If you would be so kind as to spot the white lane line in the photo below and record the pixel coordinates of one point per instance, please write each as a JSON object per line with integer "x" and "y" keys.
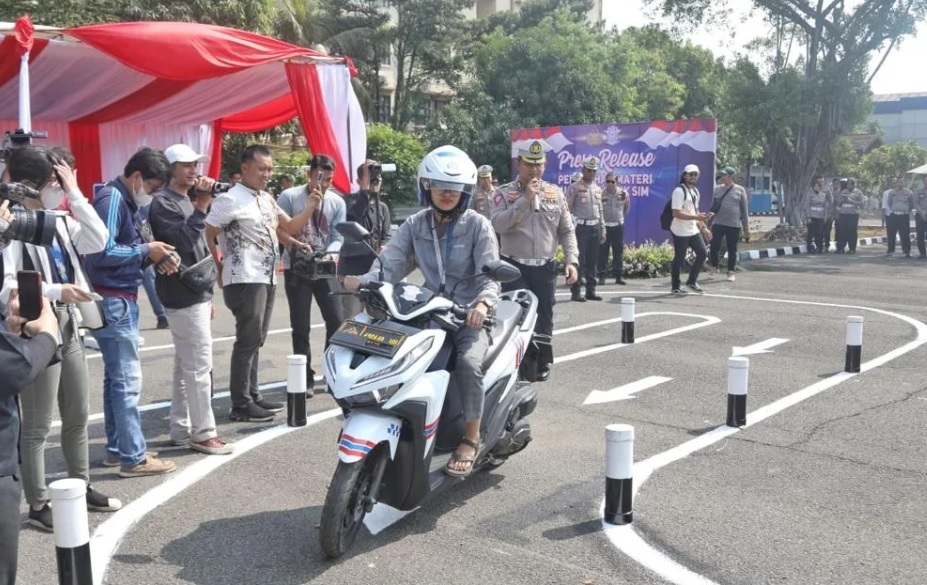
{"x": 625, "y": 392}
{"x": 98, "y": 355}
{"x": 108, "y": 536}
{"x": 628, "y": 541}
{"x": 761, "y": 347}
{"x": 706, "y": 321}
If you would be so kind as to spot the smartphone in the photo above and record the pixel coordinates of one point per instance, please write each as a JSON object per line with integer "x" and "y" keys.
{"x": 30, "y": 294}
{"x": 94, "y": 296}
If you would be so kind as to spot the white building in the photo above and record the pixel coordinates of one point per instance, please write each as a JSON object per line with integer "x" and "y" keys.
{"x": 903, "y": 117}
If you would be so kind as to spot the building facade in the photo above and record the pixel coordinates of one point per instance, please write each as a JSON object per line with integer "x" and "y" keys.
{"x": 903, "y": 117}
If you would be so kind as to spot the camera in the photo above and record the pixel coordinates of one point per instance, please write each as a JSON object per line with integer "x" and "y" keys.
{"x": 376, "y": 172}
{"x": 15, "y": 139}
{"x": 31, "y": 227}
{"x": 217, "y": 188}
{"x": 309, "y": 265}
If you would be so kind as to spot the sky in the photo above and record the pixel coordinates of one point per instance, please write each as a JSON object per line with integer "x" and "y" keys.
{"x": 897, "y": 75}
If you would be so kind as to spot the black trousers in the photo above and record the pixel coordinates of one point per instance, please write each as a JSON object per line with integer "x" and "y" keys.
{"x": 920, "y": 228}
{"x": 681, "y": 245}
{"x": 542, "y": 281}
{"x": 299, "y": 294}
{"x": 827, "y": 227}
{"x": 815, "y": 237}
{"x": 731, "y": 235}
{"x": 848, "y": 232}
{"x": 252, "y": 305}
{"x": 10, "y": 495}
{"x": 614, "y": 243}
{"x": 899, "y": 225}
{"x": 587, "y": 239}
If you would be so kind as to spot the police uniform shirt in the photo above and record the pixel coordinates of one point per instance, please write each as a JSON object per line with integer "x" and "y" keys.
{"x": 482, "y": 203}
{"x": 851, "y": 202}
{"x": 585, "y": 201}
{"x": 816, "y": 204}
{"x": 920, "y": 200}
{"x": 613, "y": 206}
{"x": 532, "y": 235}
{"x": 900, "y": 201}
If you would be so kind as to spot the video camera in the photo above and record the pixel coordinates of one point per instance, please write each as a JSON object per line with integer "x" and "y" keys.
{"x": 15, "y": 139}
{"x": 376, "y": 171}
{"x": 217, "y": 188}
{"x": 309, "y": 265}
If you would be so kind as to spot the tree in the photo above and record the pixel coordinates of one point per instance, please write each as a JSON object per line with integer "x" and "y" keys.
{"x": 840, "y": 160}
{"x": 879, "y": 167}
{"x": 387, "y": 145}
{"x": 253, "y": 15}
{"x": 804, "y": 103}
{"x": 63, "y": 13}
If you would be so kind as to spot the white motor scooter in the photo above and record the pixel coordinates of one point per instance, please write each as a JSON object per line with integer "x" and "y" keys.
{"x": 390, "y": 370}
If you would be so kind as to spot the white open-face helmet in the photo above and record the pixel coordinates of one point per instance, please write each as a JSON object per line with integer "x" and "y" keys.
{"x": 446, "y": 167}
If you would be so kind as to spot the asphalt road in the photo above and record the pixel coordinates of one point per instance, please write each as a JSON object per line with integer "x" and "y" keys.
{"x": 829, "y": 490}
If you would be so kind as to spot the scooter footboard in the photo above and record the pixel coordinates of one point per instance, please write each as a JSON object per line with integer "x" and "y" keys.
{"x": 363, "y": 431}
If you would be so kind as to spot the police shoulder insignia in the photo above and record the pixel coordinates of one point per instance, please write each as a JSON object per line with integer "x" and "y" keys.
{"x": 498, "y": 199}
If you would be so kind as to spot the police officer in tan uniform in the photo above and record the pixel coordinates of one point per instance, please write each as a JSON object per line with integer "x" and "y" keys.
{"x": 532, "y": 218}
{"x": 482, "y": 196}
{"x": 585, "y": 201}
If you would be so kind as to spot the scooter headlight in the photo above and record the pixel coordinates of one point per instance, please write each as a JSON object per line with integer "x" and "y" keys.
{"x": 410, "y": 358}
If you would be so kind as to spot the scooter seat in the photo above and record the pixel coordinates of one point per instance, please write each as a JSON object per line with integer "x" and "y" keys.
{"x": 508, "y": 316}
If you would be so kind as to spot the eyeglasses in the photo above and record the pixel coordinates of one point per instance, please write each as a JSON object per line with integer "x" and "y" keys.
{"x": 691, "y": 174}
{"x": 610, "y": 182}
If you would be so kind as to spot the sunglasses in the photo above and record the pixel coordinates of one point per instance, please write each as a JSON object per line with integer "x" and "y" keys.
{"x": 610, "y": 182}
{"x": 691, "y": 174}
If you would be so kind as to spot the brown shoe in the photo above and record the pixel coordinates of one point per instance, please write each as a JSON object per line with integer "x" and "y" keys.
{"x": 112, "y": 459}
{"x": 213, "y": 446}
{"x": 148, "y": 466}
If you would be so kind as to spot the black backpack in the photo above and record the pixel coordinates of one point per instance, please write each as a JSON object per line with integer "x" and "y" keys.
{"x": 666, "y": 217}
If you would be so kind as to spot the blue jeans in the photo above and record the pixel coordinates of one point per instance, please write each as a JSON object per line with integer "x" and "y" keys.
{"x": 122, "y": 380}
{"x": 149, "y": 282}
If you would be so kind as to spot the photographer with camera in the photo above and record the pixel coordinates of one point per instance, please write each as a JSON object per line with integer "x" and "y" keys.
{"x": 26, "y": 349}
{"x": 317, "y": 240}
{"x": 65, "y": 384}
{"x": 116, "y": 274}
{"x": 364, "y": 207}
{"x": 179, "y": 219}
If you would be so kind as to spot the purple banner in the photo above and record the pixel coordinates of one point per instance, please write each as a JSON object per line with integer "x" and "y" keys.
{"x": 647, "y": 157}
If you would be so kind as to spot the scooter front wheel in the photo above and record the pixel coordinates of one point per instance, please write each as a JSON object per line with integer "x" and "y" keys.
{"x": 345, "y": 504}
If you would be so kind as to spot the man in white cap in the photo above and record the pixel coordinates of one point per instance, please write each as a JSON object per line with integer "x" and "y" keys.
{"x": 481, "y": 202}
{"x": 689, "y": 231}
{"x": 181, "y": 222}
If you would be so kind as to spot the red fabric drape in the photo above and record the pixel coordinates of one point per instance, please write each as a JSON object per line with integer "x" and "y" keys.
{"x": 206, "y": 51}
{"x": 313, "y": 118}
{"x": 24, "y": 31}
{"x": 9, "y": 57}
{"x": 262, "y": 117}
{"x": 215, "y": 156}
{"x": 89, "y": 162}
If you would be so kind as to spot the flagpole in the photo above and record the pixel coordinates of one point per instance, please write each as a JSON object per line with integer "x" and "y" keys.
{"x": 25, "y": 104}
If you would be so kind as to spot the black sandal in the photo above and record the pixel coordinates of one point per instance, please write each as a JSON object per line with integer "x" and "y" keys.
{"x": 456, "y": 457}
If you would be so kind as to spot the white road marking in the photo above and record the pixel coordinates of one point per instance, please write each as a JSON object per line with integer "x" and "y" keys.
{"x": 107, "y": 537}
{"x": 625, "y": 392}
{"x": 630, "y": 542}
{"x": 706, "y": 321}
{"x": 761, "y": 347}
{"x": 98, "y": 355}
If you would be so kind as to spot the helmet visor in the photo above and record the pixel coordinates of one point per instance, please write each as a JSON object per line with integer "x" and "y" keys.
{"x": 462, "y": 188}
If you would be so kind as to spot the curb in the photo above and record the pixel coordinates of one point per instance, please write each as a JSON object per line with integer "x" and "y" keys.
{"x": 803, "y": 249}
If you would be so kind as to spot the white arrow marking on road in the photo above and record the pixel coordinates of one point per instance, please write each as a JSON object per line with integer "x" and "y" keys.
{"x": 761, "y": 347}
{"x": 625, "y": 392}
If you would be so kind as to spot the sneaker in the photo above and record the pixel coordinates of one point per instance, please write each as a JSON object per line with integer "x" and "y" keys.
{"x": 101, "y": 503}
{"x": 162, "y": 323}
{"x": 41, "y": 519}
{"x": 680, "y": 291}
{"x": 731, "y": 277}
{"x": 694, "y": 288}
{"x": 213, "y": 446}
{"x": 185, "y": 442}
{"x": 148, "y": 466}
{"x": 112, "y": 459}
{"x": 250, "y": 413}
{"x": 271, "y": 406}
{"x": 310, "y": 392}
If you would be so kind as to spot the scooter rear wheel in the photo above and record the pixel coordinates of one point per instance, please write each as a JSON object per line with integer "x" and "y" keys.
{"x": 345, "y": 507}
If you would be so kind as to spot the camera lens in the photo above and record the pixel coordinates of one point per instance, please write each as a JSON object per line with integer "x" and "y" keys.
{"x": 31, "y": 227}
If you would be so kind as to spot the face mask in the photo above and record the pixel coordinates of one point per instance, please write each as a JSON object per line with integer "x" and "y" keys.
{"x": 142, "y": 198}
{"x": 52, "y": 196}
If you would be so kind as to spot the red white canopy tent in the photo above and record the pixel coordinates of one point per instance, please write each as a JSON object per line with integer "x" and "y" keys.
{"x": 106, "y": 90}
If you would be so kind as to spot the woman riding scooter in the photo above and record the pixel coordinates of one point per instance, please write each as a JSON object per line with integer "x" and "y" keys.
{"x": 448, "y": 242}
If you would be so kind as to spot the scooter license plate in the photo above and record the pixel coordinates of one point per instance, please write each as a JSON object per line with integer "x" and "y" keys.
{"x": 372, "y": 339}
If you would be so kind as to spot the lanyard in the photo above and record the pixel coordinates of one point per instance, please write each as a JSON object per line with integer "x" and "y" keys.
{"x": 447, "y": 251}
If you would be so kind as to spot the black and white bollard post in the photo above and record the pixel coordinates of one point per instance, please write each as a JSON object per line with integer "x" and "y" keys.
{"x": 619, "y": 466}
{"x": 296, "y": 390}
{"x": 72, "y": 533}
{"x": 627, "y": 320}
{"x": 854, "y": 344}
{"x": 738, "y": 369}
